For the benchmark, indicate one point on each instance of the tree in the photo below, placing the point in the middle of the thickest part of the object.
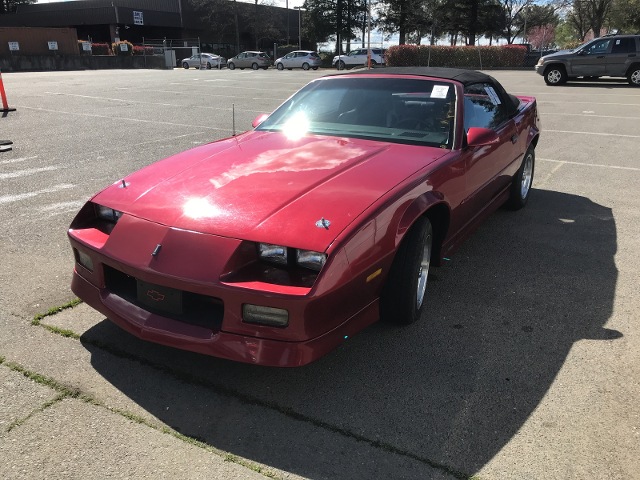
(590, 15)
(410, 19)
(10, 6)
(541, 36)
(625, 16)
(334, 20)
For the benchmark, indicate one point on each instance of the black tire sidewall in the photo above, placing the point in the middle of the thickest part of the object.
(516, 200)
(398, 302)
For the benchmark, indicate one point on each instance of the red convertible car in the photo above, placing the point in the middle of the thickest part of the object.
(274, 246)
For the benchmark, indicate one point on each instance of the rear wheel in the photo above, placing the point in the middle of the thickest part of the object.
(231, 66)
(185, 65)
(521, 183)
(254, 66)
(305, 66)
(634, 76)
(403, 296)
(555, 75)
(280, 67)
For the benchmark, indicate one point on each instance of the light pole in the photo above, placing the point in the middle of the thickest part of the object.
(300, 9)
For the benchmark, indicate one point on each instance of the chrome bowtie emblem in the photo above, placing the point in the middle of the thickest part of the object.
(323, 223)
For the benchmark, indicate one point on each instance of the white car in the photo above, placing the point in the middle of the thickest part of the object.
(204, 60)
(358, 58)
(304, 59)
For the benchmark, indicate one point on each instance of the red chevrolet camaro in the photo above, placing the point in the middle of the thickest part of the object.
(274, 246)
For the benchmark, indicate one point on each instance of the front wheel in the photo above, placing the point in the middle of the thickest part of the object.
(185, 65)
(305, 66)
(254, 66)
(280, 67)
(521, 183)
(231, 66)
(555, 75)
(402, 301)
(340, 65)
(208, 66)
(634, 76)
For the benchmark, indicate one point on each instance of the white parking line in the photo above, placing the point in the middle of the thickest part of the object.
(589, 114)
(583, 164)
(29, 171)
(593, 133)
(123, 119)
(23, 196)
(17, 160)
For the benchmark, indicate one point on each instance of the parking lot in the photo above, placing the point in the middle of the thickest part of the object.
(526, 365)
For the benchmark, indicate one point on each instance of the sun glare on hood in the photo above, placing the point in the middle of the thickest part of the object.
(296, 127)
(201, 208)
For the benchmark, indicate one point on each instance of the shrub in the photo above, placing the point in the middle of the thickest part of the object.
(117, 50)
(478, 57)
(140, 50)
(101, 49)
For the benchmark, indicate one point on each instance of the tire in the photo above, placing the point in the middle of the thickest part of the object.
(185, 65)
(315, 68)
(280, 67)
(254, 66)
(522, 180)
(403, 296)
(265, 68)
(373, 63)
(231, 66)
(305, 66)
(555, 75)
(208, 66)
(634, 76)
(340, 65)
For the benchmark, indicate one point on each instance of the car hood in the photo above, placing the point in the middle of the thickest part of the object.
(262, 186)
(560, 55)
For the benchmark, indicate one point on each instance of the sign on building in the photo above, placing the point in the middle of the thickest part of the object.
(14, 46)
(53, 45)
(86, 46)
(124, 47)
(138, 18)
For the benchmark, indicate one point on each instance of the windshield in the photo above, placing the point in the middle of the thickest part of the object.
(400, 110)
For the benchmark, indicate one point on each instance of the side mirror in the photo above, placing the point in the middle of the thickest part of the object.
(259, 119)
(477, 137)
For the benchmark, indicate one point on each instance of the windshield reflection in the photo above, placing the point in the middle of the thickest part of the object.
(401, 110)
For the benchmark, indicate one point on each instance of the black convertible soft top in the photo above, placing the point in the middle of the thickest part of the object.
(464, 76)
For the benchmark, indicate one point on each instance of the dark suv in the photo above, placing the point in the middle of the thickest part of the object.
(608, 56)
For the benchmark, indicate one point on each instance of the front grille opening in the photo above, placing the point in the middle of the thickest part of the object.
(181, 305)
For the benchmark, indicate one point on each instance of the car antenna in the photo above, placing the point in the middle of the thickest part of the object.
(233, 118)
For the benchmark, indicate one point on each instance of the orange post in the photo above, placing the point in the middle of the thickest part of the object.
(5, 106)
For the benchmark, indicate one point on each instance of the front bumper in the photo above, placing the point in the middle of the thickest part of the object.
(240, 348)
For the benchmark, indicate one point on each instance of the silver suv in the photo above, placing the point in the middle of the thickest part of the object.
(608, 56)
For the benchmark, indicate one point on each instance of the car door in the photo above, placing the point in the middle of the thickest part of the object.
(623, 52)
(592, 60)
(489, 167)
(355, 58)
(286, 60)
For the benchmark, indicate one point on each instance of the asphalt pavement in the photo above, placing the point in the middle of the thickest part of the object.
(525, 365)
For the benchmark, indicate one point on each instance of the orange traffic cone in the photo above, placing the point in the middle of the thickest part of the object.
(5, 107)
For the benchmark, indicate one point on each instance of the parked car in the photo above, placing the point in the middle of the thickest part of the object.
(251, 59)
(304, 59)
(608, 56)
(358, 58)
(204, 60)
(275, 246)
